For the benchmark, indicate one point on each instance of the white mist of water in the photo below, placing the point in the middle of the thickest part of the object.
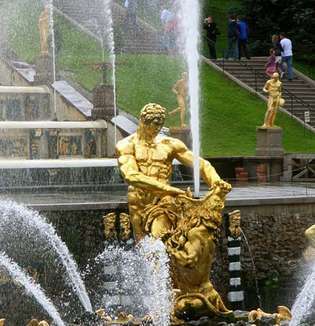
(159, 304)
(189, 25)
(109, 33)
(32, 289)
(305, 300)
(53, 48)
(142, 274)
(15, 216)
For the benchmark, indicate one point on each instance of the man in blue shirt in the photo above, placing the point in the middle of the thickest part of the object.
(242, 38)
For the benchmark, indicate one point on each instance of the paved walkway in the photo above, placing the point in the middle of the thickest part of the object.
(111, 199)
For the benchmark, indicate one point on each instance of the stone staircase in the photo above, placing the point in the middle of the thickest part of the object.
(90, 15)
(298, 93)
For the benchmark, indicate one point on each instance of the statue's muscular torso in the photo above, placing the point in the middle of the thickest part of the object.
(154, 160)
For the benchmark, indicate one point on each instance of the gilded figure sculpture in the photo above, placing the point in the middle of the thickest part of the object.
(43, 26)
(235, 223)
(181, 90)
(273, 88)
(283, 314)
(109, 222)
(189, 227)
(125, 227)
(309, 253)
(101, 313)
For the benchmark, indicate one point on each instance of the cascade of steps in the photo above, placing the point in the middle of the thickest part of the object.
(145, 39)
(298, 93)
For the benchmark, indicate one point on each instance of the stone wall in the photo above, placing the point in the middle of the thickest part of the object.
(275, 234)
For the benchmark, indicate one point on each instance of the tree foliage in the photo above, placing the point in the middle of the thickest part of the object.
(294, 17)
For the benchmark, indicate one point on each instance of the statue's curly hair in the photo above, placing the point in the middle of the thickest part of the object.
(153, 112)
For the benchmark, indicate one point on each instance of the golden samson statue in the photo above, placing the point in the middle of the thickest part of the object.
(189, 227)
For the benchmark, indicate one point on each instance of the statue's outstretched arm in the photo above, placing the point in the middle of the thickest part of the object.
(185, 156)
(129, 169)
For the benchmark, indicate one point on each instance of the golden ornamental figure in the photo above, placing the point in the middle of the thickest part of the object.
(188, 227)
(273, 88)
(235, 223)
(43, 26)
(181, 90)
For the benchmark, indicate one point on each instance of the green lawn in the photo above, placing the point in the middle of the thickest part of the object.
(229, 114)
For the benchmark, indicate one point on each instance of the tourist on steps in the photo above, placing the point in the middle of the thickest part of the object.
(271, 66)
(232, 33)
(242, 38)
(286, 55)
(275, 39)
(212, 31)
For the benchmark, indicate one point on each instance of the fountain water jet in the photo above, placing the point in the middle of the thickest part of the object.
(109, 34)
(27, 220)
(190, 27)
(305, 300)
(31, 287)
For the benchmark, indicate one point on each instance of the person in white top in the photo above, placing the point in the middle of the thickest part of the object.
(287, 54)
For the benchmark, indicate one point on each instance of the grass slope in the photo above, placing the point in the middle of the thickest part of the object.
(229, 114)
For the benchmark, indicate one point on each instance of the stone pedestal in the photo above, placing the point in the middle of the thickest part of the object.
(103, 102)
(44, 70)
(183, 134)
(269, 142)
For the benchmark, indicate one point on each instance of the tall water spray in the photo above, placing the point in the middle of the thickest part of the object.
(305, 301)
(109, 35)
(189, 24)
(32, 289)
(15, 218)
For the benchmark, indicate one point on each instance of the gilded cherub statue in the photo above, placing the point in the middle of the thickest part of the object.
(43, 26)
(273, 88)
(181, 90)
(145, 161)
(188, 227)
